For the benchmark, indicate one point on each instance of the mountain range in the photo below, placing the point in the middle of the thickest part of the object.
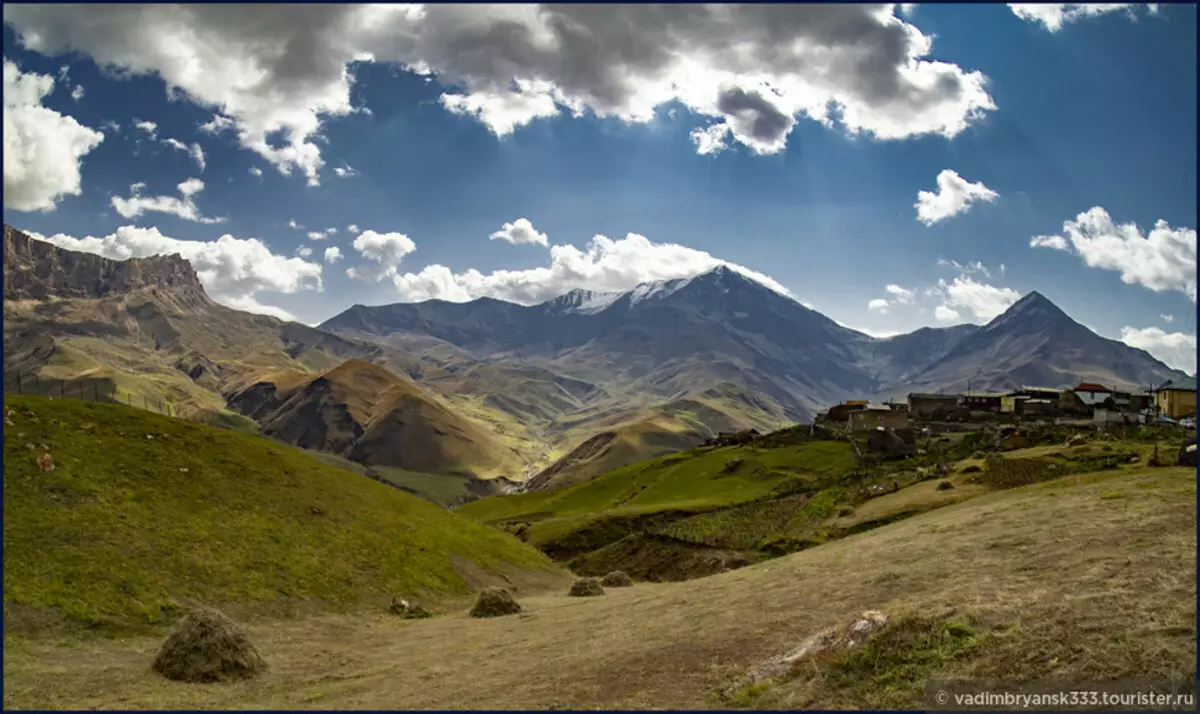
(552, 393)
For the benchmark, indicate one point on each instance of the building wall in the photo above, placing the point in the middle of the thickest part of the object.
(1176, 404)
(867, 420)
(925, 407)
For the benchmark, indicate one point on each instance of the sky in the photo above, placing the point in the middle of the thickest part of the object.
(892, 166)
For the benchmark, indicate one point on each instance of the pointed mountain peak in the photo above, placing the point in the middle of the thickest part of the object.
(1034, 311)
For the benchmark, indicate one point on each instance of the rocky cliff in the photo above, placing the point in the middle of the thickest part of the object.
(37, 270)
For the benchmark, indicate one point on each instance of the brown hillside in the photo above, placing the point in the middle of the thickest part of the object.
(365, 413)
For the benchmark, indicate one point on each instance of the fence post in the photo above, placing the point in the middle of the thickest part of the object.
(37, 384)
(19, 382)
(62, 386)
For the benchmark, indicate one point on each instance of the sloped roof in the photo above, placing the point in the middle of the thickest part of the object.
(1187, 384)
(1091, 387)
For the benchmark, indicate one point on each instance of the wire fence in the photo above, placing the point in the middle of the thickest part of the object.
(88, 390)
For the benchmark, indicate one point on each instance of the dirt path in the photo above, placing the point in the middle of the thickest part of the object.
(1116, 551)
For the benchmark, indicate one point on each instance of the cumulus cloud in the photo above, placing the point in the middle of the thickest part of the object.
(352, 228)
(1175, 349)
(899, 296)
(321, 235)
(77, 93)
(147, 127)
(982, 300)
(333, 254)
(294, 225)
(43, 149)
(1167, 318)
(1053, 16)
(277, 70)
(304, 251)
(711, 139)
(953, 197)
(217, 124)
(232, 270)
(945, 314)
(520, 231)
(606, 265)
(183, 206)
(1163, 260)
(255, 171)
(345, 171)
(194, 150)
(386, 249)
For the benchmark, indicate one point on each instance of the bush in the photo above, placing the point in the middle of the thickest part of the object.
(944, 486)
(586, 587)
(616, 579)
(495, 602)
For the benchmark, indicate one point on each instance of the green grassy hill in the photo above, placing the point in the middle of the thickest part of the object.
(653, 494)
(140, 509)
(703, 511)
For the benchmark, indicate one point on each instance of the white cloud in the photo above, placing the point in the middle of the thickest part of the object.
(953, 197)
(149, 127)
(110, 125)
(277, 70)
(1163, 260)
(333, 254)
(255, 171)
(321, 235)
(711, 139)
(1167, 318)
(972, 268)
(183, 206)
(345, 171)
(42, 148)
(520, 231)
(232, 270)
(907, 9)
(387, 249)
(294, 225)
(194, 150)
(77, 93)
(982, 300)
(352, 228)
(1176, 349)
(1053, 16)
(945, 314)
(606, 265)
(247, 303)
(304, 251)
(217, 124)
(899, 294)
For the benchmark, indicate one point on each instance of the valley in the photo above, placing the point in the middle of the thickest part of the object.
(501, 396)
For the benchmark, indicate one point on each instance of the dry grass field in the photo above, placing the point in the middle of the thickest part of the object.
(1085, 576)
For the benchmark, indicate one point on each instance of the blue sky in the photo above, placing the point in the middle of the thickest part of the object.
(1037, 118)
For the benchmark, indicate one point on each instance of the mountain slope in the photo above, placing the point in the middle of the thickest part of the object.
(146, 330)
(141, 509)
(367, 414)
(665, 344)
(1036, 343)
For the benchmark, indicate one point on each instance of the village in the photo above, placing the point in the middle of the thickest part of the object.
(1171, 402)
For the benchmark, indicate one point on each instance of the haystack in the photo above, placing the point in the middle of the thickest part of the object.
(586, 587)
(495, 602)
(616, 579)
(206, 646)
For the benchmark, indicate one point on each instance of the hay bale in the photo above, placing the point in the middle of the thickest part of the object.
(206, 646)
(944, 486)
(495, 602)
(616, 579)
(586, 587)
